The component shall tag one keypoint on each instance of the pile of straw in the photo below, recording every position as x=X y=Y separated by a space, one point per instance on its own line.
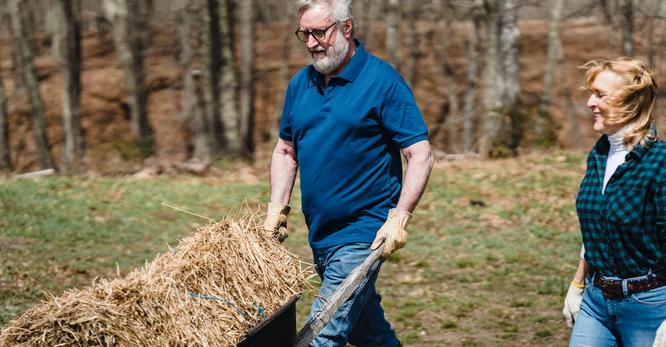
x=208 y=291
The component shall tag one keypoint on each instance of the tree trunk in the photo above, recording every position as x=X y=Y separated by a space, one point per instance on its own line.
x=414 y=49
x=55 y=27
x=503 y=117
x=628 y=27
x=650 y=33
x=492 y=102
x=5 y=156
x=369 y=16
x=70 y=43
x=29 y=78
x=393 y=33
x=608 y=12
x=283 y=73
x=228 y=83
x=246 y=91
x=543 y=130
x=472 y=78
x=439 y=31
x=210 y=77
x=128 y=38
x=193 y=112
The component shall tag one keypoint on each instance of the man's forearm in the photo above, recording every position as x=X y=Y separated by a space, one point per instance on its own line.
x=283 y=174
x=419 y=165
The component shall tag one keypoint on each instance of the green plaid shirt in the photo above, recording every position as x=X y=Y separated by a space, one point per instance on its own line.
x=624 y=229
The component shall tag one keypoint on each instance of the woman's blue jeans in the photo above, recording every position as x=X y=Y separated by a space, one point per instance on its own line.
x=359 y=321
x=630 y=321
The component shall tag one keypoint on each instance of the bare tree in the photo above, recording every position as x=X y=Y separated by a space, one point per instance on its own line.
x=412 y=9
x=29 y=78
x=69 y=39
x=649 y=32
x=608 y=8
x=228 y=83
x=246 y=91
x=543 y=130
x=628 y=27
x=501 y=131
x=393 y=33
x=472 y=77
x=128 y=19
x=283 y=72
x=369 y=15
x=5 y=157
x=193 y=113
x=210 y=77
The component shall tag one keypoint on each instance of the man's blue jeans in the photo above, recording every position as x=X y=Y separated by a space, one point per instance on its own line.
x=629 y=321
x=359 y=321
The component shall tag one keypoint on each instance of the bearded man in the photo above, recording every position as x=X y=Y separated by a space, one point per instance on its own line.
x=347 y=118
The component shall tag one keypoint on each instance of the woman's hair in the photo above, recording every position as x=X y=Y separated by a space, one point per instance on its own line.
x=340 y=10
x=632 y=103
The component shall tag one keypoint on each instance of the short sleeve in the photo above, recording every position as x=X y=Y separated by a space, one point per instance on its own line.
x=401 y=116
x=285 y=121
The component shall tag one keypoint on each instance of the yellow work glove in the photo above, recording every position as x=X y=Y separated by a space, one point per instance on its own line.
x=393 y=232
x=660 y=339
x=572 y=304
x=276 y=220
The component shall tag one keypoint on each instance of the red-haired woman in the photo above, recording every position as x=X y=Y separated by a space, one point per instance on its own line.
x=618 y=295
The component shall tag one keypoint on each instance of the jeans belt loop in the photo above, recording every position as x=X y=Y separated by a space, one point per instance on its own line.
x=625 y=291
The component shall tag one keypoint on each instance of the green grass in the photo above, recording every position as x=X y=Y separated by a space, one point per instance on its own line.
x=469 y=276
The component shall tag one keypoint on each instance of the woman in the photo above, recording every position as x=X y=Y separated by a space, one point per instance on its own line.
x=621 y=205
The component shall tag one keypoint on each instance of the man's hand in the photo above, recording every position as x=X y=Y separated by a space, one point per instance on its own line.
x=276 y=220
x=572 y=303
x=393 y=232
x=660 y=339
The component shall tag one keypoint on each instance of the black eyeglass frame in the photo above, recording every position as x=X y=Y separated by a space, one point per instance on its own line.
x=314 y=33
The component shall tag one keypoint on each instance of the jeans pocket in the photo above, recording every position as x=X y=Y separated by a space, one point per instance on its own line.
x=655 y=296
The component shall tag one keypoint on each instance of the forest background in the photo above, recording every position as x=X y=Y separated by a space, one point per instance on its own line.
x=138 y=102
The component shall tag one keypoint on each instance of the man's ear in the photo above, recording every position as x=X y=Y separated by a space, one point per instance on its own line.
x=348 y=26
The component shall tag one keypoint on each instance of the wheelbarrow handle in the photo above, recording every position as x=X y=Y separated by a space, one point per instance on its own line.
x=354 y=281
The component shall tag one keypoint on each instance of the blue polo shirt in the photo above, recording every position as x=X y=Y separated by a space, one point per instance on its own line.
x=347 y=135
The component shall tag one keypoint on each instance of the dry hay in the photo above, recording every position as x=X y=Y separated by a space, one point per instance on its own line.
x=208 y=291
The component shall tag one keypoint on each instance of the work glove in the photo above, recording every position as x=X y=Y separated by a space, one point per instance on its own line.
x=276 y=220
x=660 y=339
x=393 y=232
x=572 y=304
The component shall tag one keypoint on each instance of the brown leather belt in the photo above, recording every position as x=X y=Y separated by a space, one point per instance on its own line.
x=613 y=288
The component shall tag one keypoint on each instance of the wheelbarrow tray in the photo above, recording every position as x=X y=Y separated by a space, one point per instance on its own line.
x=279 y=330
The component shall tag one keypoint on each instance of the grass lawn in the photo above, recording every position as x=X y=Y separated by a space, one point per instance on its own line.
x=491 y=249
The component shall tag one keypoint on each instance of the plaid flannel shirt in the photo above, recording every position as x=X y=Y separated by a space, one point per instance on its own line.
x=624 y=229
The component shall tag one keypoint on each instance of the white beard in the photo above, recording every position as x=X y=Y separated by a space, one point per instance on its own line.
x=334 y=56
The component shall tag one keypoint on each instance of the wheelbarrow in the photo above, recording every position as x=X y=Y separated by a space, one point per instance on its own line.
x=279 y=330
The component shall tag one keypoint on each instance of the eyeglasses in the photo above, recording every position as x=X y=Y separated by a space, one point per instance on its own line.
x=318 y=34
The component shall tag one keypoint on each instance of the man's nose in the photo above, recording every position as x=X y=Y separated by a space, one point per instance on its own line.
x=312 y=42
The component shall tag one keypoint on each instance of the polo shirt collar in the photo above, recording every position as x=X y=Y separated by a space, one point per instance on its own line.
x=349 y=72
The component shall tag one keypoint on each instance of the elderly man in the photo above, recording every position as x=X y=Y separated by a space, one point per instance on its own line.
x=346 y=119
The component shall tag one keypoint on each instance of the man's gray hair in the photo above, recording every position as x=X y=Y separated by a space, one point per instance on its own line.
x=340 y=10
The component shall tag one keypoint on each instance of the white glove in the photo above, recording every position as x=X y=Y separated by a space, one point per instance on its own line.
x=660 y=339
x=572 y=304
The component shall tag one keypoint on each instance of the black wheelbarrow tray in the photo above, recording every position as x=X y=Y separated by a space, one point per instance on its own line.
x=279 y=330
